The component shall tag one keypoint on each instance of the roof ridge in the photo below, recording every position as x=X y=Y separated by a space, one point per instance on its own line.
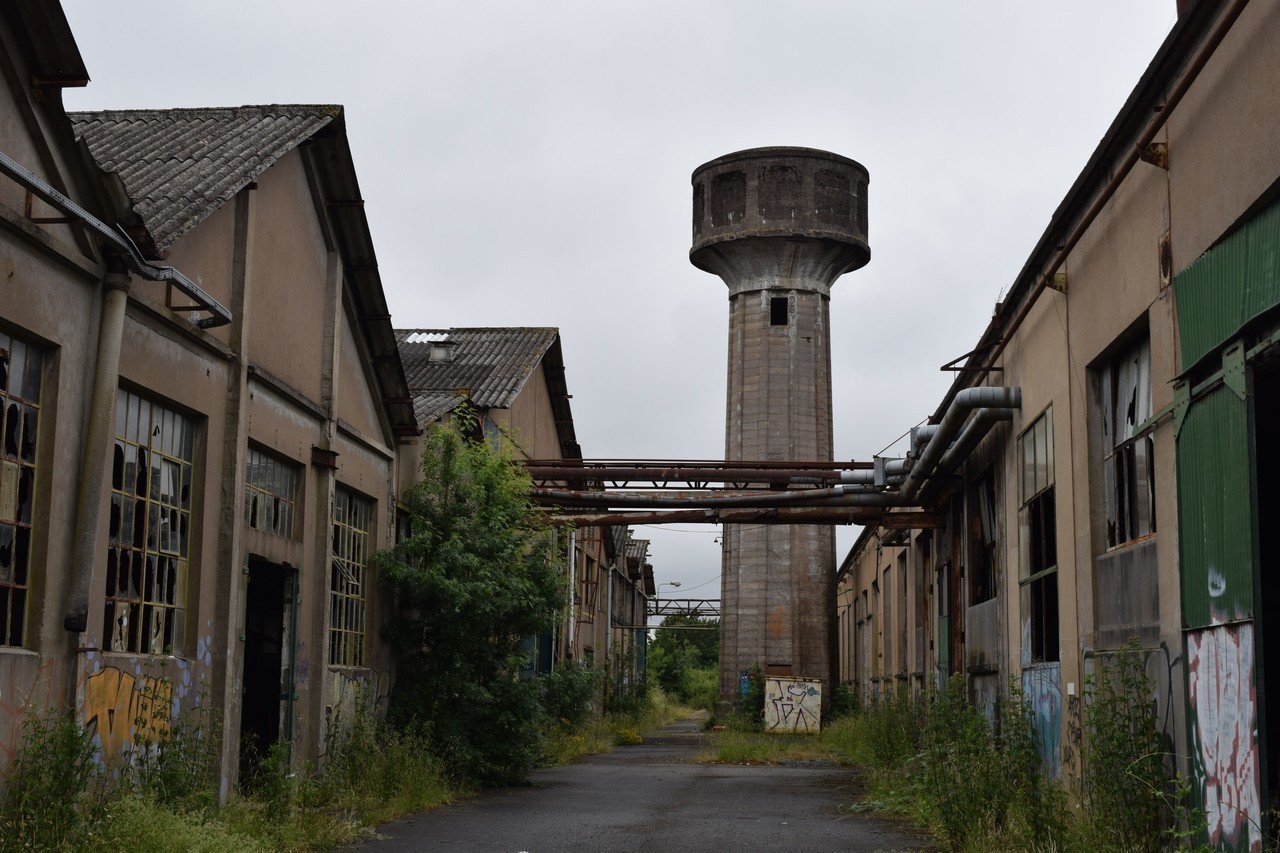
x=332 y=110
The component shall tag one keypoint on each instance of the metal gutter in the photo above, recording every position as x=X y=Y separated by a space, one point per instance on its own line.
x=121 y=243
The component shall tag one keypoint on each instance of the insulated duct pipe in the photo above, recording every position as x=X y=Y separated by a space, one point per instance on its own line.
x=894 y=469
x=977 y=428
x=950 y=425
x=920 y=437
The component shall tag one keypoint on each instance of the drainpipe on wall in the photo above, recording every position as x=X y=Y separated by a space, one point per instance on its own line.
x=608 y=616
x=93 y=462
x=573 y=616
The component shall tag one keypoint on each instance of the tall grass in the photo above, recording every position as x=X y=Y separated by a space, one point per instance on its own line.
x=978 y=784
x=565 y=740
x=162 y=794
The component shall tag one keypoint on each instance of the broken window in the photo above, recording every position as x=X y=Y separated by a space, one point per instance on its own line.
x=352 y=528
x=588 y=569
x=1039 y=543
x=20 y=377
x=150 y=528
x=270 y=493
x=1128 y=445
x=982 y=538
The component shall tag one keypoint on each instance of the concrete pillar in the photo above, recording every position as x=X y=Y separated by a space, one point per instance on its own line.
x=779 y=226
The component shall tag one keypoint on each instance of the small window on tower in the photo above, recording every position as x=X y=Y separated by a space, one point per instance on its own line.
x=778 y=311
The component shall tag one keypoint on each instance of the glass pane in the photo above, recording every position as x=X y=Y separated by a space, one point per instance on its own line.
x=17 y=367
x=31 y=387
x=1113 y=510
x=1143 y=487
x=1024 y=537
x=1042 y=454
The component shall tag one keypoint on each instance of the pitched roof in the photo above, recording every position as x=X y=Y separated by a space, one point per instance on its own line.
x=491 y=365
x=180 y=165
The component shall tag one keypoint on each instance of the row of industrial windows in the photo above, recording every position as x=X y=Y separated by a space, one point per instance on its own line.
x=1125 y=465
x=1125 y=436
x=150 y=524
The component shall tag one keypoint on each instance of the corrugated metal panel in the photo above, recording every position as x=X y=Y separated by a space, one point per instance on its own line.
x=1229 y=285
x=1215 y=512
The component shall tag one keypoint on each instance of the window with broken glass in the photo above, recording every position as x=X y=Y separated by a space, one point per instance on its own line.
x=20 y=377
x=270 y=493
x=352 y=528
x=1129 y=445
x=1039 y=543
x=150 y=527
x=982 y=538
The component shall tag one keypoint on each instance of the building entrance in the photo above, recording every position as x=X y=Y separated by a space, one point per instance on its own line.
x=267 y=698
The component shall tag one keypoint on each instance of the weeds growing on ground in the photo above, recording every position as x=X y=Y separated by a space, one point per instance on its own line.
x=980 y=784
x=162 y=793
x=565 y=741
x=52 y=798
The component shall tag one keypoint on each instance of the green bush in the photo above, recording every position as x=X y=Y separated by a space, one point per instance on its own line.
x=476 y=576
x=1130 y=789
x=51 y=800
x=567 y=691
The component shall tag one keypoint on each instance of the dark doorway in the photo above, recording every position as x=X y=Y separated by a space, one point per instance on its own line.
x=267 y=623
x=1266 y=426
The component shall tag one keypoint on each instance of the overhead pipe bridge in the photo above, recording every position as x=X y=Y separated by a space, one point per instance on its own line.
x=889 y=492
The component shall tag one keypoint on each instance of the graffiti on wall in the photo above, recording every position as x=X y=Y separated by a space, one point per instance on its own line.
x=121 y=709
x=1224 y=741
x=792 y=705
x=1042 y=687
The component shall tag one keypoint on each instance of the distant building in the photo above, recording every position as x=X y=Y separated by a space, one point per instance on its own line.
x=1128 y=496
x=514 y=379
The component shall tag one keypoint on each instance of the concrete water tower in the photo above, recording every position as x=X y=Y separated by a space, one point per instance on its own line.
x=779 y=226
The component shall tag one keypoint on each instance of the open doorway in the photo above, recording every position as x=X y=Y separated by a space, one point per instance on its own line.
x=266 y=700
x=1266 y=426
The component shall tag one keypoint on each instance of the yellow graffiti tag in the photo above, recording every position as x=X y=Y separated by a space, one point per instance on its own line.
x=123 y=710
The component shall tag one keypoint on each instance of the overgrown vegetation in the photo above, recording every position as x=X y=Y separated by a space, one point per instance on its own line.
x=601 y=733
x=979 y=784
x=683 y=658
x=476 y=576
x=161 y=795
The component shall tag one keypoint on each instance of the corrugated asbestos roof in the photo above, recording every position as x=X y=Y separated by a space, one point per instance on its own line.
x=489 y=365
x=180 y=165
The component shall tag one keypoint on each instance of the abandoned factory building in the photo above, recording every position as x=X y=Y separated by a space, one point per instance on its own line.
x=1129 y=497
x=205 y=422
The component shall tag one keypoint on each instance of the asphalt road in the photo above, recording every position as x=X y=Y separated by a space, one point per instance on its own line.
x=654 y=797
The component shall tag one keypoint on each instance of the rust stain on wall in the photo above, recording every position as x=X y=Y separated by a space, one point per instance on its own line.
x=778 y=623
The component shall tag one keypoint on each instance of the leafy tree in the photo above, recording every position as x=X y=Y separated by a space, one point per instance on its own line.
x=475 y=577
x=683 y=657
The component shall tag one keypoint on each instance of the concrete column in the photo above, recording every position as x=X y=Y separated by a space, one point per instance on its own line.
x=91 y=496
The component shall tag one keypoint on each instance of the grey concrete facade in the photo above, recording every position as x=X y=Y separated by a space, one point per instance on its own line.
x=779 y=226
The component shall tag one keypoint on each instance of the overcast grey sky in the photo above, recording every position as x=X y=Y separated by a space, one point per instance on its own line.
x=528 y=164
